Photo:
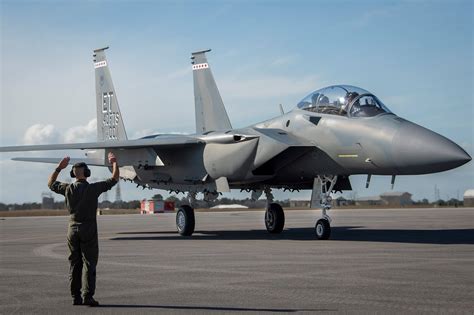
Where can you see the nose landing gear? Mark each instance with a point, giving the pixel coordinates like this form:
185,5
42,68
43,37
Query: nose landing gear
323,229
321,197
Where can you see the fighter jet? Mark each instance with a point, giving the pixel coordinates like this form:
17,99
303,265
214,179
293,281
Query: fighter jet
332,133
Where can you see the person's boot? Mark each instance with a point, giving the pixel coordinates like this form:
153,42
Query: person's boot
90,302
77,301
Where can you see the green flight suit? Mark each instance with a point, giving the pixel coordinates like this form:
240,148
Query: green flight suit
82,238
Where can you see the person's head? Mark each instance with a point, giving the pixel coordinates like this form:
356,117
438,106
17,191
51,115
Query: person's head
80,171
350,96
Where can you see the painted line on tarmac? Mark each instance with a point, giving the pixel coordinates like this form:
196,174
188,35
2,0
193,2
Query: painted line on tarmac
48,251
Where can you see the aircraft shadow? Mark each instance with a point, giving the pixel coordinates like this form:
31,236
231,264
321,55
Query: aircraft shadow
341,233
214,308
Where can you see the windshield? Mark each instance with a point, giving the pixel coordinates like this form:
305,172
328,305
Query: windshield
339,100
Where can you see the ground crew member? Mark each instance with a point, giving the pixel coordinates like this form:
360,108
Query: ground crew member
81,201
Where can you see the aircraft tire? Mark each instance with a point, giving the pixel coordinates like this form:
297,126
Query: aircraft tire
323,229
185,221
274,218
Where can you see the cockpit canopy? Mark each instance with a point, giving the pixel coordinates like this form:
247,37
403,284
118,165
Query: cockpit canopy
344,100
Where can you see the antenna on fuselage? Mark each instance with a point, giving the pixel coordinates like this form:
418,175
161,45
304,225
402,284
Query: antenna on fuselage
281,110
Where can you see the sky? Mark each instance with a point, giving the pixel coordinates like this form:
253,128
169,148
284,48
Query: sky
416,56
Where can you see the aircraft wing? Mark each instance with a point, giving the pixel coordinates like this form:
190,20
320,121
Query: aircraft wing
168,140
89,161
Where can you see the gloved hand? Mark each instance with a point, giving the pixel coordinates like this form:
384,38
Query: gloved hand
112,158
64,162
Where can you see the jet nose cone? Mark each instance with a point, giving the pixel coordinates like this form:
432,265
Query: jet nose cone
418,150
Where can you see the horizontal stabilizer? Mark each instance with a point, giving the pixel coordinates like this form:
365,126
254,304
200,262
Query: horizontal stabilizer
168,140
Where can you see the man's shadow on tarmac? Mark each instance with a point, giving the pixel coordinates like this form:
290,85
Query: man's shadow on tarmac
215,308
338,233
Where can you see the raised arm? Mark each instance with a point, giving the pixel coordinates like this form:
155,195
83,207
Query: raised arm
115,168
62,165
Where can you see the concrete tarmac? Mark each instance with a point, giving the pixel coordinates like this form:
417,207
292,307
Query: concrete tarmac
389,260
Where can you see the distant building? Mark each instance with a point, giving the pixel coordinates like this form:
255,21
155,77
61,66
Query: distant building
341,201
156,206
300,203
336,202
370,201
391,199
469,198
398,199
47,200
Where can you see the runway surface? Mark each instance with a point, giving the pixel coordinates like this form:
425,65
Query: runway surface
403,260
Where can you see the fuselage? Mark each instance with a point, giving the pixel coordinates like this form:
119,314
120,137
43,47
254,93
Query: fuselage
339,130
381,145
330,144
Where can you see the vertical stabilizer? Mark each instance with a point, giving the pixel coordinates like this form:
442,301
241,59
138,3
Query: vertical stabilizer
210,111
110,125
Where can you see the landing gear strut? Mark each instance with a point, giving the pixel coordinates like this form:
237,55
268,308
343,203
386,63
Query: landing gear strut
325,185
274,215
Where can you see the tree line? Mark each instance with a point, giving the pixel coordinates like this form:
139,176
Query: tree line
135,204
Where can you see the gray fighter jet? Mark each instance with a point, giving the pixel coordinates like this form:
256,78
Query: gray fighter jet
332,133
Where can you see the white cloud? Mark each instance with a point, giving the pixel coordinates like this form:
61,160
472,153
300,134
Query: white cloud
41,134
83,133
47,134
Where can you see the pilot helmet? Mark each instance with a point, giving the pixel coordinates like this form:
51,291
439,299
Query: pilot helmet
350,96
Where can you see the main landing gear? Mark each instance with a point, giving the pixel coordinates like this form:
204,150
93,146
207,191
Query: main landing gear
185,221
274,215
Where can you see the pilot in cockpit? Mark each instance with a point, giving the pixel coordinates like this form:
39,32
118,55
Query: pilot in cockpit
350,96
